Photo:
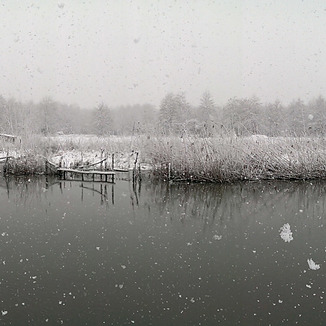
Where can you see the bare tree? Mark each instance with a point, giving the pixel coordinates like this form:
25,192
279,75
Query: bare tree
242,115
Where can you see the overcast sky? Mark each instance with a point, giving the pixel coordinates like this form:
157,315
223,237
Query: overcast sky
126,52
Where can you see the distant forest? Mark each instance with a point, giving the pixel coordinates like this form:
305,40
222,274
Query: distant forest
174,116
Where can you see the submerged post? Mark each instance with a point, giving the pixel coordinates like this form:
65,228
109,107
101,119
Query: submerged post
135,167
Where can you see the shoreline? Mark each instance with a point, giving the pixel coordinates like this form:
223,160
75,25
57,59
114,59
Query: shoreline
190,159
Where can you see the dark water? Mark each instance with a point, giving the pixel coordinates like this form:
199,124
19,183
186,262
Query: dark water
160,254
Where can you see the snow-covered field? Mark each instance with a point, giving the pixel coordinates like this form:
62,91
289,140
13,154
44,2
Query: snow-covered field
77,150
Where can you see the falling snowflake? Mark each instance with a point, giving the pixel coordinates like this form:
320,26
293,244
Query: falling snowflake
312,264
286,233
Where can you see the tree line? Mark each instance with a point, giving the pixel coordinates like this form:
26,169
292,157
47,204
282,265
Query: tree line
243,117
174,116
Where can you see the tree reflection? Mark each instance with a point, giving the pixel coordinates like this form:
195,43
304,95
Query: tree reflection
218,203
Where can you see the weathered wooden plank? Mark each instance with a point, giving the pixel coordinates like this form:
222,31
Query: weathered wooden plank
120,170
87,166
86,172
8,136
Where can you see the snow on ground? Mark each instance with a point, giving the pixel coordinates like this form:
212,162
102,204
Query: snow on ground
11,153
86,140
74,158
83,154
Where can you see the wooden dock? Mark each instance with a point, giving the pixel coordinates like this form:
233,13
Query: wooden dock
64,173
89,172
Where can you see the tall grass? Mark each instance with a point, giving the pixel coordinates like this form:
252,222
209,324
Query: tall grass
230,159
24,156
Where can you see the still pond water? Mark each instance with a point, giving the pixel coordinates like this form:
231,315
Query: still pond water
77,253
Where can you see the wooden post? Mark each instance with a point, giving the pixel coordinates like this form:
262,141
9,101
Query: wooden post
139,172
169,171
5,167
112,161
82,193
135,163
102,150
135,167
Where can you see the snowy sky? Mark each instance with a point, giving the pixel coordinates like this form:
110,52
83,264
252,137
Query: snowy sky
126,52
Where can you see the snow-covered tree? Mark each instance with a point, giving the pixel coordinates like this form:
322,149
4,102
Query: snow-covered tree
102,120
207,107
174,111
207,115
242,115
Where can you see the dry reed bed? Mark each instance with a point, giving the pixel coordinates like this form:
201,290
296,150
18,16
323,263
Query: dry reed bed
222,159
233,159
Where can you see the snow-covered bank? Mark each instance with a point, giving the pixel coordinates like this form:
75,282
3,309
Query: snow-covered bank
73,151
75,158
216,159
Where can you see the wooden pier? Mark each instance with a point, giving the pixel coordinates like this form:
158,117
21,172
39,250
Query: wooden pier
107,175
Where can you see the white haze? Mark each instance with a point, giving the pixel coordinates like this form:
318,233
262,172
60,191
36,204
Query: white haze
128,52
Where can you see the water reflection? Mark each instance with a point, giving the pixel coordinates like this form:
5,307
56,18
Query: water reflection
154,253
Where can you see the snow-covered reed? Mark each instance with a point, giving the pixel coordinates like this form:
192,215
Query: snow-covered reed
247,158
